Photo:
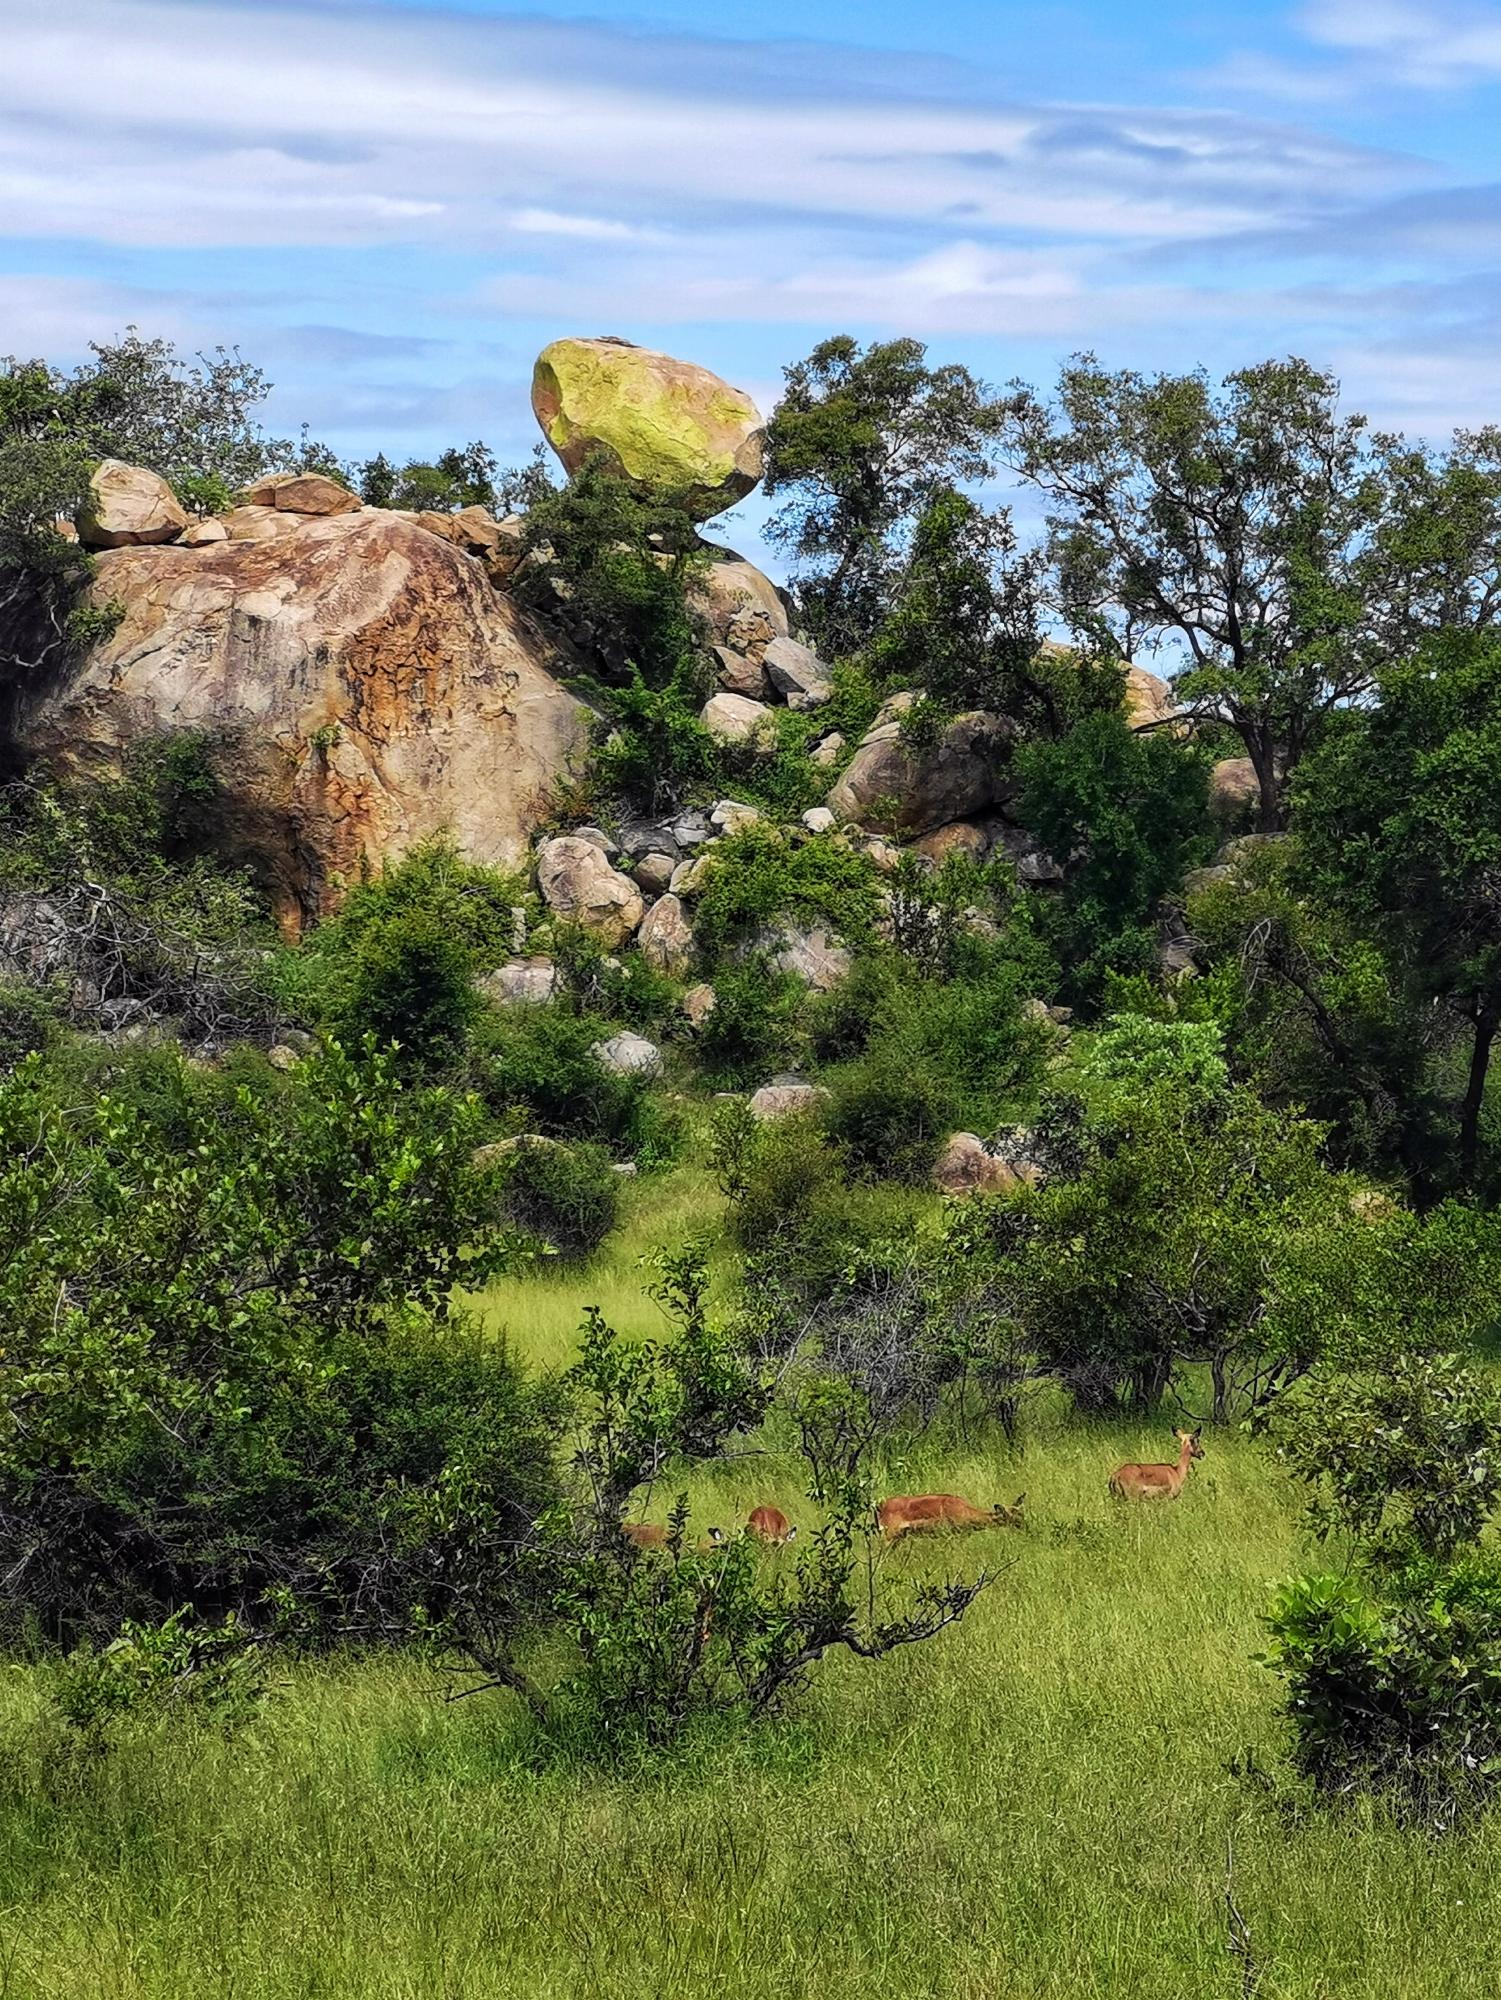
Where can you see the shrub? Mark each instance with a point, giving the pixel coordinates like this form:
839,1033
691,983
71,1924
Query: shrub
760,874
754,1028
889,1113
567,1195
536,1063
410,984
176,1668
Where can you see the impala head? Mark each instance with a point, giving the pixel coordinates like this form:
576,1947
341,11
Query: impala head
1009,1517
716,1536
1191,1439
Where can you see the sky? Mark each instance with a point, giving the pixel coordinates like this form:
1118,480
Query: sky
392,205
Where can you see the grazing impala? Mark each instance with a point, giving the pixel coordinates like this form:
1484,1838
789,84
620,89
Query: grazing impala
943,1513
770,1525
644,1534
1157,1482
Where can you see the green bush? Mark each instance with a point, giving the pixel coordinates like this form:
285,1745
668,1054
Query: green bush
410,983
535,1063
28,1022
890,1112
754,1028
761,874
568,1196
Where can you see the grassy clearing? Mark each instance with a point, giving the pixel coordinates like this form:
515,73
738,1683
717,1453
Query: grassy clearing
1037,1804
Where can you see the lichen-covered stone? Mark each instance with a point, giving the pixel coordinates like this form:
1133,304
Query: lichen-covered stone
664,424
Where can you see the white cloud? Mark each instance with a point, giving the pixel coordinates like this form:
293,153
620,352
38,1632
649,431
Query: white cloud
1409,41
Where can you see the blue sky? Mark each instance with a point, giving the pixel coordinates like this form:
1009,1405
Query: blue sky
392,204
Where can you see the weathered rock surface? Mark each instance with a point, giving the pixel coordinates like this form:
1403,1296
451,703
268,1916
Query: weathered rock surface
1148,699
529,982
361,687
628,1055
654,873
302,493
665,939
732,815
688,876
662,423
698,1003
787,1097
738,673
126,507
888,785
258,524
813,956
729,590
818,819
735,719
577,881
201,533
1233,790
967,1166
827,750
960,836
797,673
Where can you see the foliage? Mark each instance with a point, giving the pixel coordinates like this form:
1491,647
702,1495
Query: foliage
861,443
654,748
536,1064
455,479
175,1668
1396,830
760,874
1126,815
232,1367
568,1196
755,1026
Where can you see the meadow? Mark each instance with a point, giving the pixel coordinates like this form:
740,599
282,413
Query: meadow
1049,1800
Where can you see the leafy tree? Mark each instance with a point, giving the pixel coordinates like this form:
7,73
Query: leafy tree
1397,827
861,444
1234,521
1126,815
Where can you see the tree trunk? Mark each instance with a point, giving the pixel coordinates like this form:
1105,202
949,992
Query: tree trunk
1262,752
1487,1017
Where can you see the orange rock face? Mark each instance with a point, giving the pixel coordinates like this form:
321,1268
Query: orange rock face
360,685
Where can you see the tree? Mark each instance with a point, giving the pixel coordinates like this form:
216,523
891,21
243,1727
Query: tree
1397,825
860,444
1235,521
1125,813
454,479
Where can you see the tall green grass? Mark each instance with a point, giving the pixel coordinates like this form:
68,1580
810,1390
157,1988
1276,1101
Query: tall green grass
1041,1802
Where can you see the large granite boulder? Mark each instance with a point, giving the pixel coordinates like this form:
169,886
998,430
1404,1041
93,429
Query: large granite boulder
734,719
1148,700
665,939
360,686
301,493
731,592
661,423
578,882
1234,793
126,506
889,785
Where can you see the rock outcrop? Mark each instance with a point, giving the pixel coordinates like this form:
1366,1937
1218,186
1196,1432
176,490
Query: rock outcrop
128,507
732,589
301,493
359,684
1234,792
665,939
1148,700
664,424
889,786
578,882
787,1097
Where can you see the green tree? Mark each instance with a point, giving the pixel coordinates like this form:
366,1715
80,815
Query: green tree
860,443
1397,827
1233,521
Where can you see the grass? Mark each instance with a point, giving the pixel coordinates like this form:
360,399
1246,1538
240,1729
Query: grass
1036,1805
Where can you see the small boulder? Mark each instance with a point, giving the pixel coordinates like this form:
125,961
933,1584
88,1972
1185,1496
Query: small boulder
739,674
628,1055
665,939
889,784
654,873
698,1003
128,507
597,837
964,1166
302,493
729,589
797,673
577,881
281,1057
257,524
812,956
827,751
818,819
1234,792
664,424
959,836
1197,880
530,982
734,719
690,829
787,1097
688,876
202,533
732,816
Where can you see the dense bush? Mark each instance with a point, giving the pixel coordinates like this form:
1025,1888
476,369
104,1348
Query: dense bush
537,1063
755,1027
232,1371
761,874
566,1195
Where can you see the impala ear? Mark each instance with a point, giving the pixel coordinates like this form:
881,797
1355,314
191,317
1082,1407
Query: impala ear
792,1534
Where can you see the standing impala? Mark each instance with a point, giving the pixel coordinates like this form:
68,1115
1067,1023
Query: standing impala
1157,1482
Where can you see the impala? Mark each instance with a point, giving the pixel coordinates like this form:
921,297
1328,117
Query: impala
770,1525
943,1513
1157,1482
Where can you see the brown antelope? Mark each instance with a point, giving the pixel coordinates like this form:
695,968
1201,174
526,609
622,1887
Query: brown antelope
770,1525
943,1513
644,1534
1157,1482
